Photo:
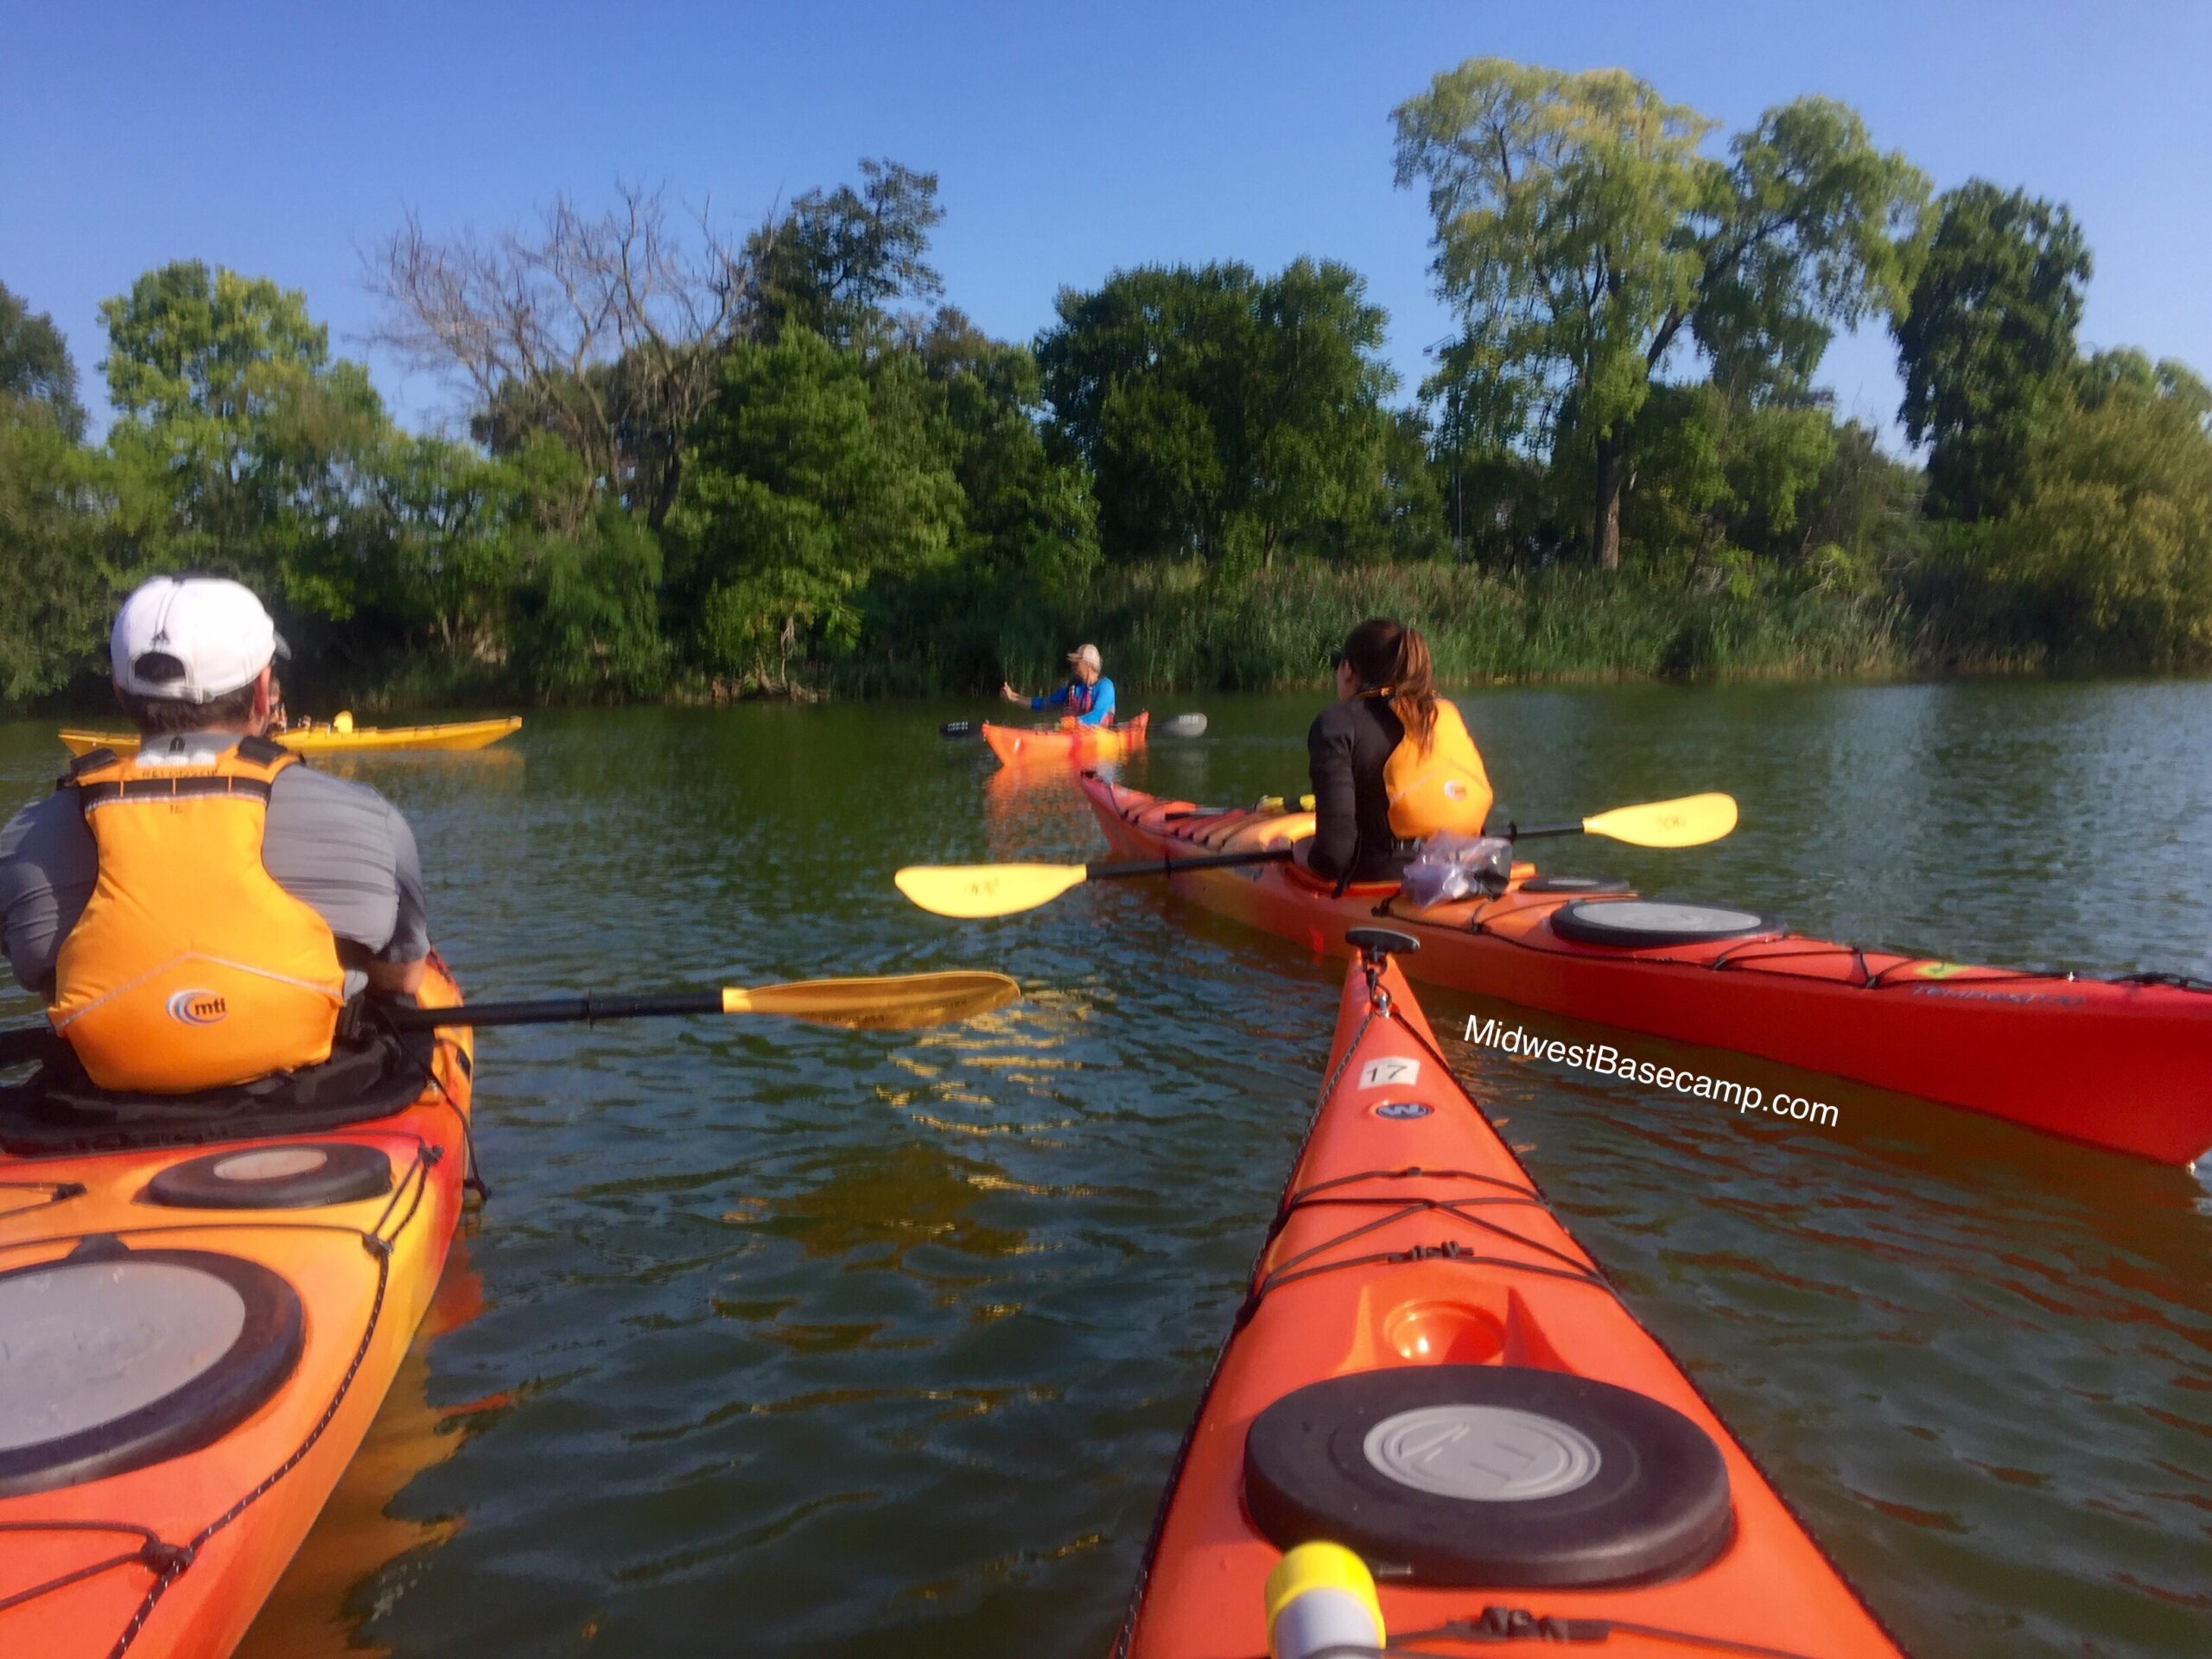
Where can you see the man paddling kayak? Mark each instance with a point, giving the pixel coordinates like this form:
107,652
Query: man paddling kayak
1089,696
1391,762
198,915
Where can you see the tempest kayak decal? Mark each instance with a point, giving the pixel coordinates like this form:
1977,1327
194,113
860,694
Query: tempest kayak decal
2040,999
1604,1057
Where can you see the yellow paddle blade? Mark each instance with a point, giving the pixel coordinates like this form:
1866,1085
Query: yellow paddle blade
970,891
1689,821
889,1003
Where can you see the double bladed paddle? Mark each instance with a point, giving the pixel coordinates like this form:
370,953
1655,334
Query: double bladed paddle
972,891
887,1003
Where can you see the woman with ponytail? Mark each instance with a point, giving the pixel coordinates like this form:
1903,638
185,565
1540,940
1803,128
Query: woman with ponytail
1390,760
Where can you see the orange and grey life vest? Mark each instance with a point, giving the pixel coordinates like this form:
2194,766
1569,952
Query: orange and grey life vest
190,967
1443,790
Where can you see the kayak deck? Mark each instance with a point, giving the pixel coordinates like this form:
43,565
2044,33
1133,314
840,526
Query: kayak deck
453,736
162,1531
2125,1064
1413,1259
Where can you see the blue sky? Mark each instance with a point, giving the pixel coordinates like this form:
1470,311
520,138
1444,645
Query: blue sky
1069,141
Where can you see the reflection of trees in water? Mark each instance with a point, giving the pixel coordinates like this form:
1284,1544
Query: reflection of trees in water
875,1205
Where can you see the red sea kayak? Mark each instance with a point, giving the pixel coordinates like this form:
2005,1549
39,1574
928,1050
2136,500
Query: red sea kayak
1069,741
1429,1372
2123,1064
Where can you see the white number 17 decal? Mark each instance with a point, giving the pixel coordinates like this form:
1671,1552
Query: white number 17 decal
1377,1074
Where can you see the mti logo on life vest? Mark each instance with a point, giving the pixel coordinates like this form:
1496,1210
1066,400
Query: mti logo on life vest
197,1008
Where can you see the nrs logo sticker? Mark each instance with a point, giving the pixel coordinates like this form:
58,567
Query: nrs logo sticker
197,1008
1380,1074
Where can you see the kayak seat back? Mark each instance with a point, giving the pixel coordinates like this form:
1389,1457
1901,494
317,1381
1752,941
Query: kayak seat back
58,1109
1299,873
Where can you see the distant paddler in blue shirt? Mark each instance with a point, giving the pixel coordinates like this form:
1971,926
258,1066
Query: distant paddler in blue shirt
1089,696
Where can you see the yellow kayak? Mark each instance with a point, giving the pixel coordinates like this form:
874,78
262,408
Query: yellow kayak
323,739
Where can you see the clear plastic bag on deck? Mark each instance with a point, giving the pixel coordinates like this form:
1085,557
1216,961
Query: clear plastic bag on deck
1452,866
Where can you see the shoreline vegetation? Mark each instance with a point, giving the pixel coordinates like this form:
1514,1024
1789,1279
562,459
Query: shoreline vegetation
696,464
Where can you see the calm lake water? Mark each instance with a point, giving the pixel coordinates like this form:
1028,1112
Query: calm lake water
776,1339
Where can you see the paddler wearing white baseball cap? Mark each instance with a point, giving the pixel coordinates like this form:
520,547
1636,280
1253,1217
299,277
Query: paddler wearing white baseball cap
255,866
182,646
1089,695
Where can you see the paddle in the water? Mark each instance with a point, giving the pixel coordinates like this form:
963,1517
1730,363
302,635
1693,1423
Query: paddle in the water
890,1002
972,891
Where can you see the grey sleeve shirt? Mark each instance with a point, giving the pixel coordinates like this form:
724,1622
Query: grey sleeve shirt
338,846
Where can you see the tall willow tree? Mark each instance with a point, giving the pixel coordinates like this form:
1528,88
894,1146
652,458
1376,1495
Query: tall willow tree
1583,237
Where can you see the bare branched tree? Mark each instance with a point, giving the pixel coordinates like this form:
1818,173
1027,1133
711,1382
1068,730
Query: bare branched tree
603,329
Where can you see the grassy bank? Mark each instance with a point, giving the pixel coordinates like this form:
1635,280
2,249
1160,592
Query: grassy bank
1167,627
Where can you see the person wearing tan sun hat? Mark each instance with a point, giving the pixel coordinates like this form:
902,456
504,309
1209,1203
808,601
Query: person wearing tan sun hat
198,914
1088,695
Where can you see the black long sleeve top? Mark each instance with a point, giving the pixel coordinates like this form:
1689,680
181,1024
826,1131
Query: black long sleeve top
1346,748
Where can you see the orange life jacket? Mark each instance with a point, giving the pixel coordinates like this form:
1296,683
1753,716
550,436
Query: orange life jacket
1443,790
190,967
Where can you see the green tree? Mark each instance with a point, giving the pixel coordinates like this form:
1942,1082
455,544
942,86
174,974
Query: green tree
36,369
1222,414
839,258
1719,476
61,552
232,413
589,623
1580,232
456,531
1029,517
811,475
1990,327
2108,553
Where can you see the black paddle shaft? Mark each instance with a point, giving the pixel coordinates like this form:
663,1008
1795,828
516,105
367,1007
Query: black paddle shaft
1165,865
552,1010
37,1042
1516,832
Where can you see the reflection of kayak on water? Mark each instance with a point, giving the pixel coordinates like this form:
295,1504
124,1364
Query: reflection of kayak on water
308,1615
327,739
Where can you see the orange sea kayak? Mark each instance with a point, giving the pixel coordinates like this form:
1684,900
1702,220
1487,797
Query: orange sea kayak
1428,1370
193,1342
323,739
1031,746
2124,1063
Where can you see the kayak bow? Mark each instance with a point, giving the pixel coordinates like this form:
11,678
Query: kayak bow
1428,1370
